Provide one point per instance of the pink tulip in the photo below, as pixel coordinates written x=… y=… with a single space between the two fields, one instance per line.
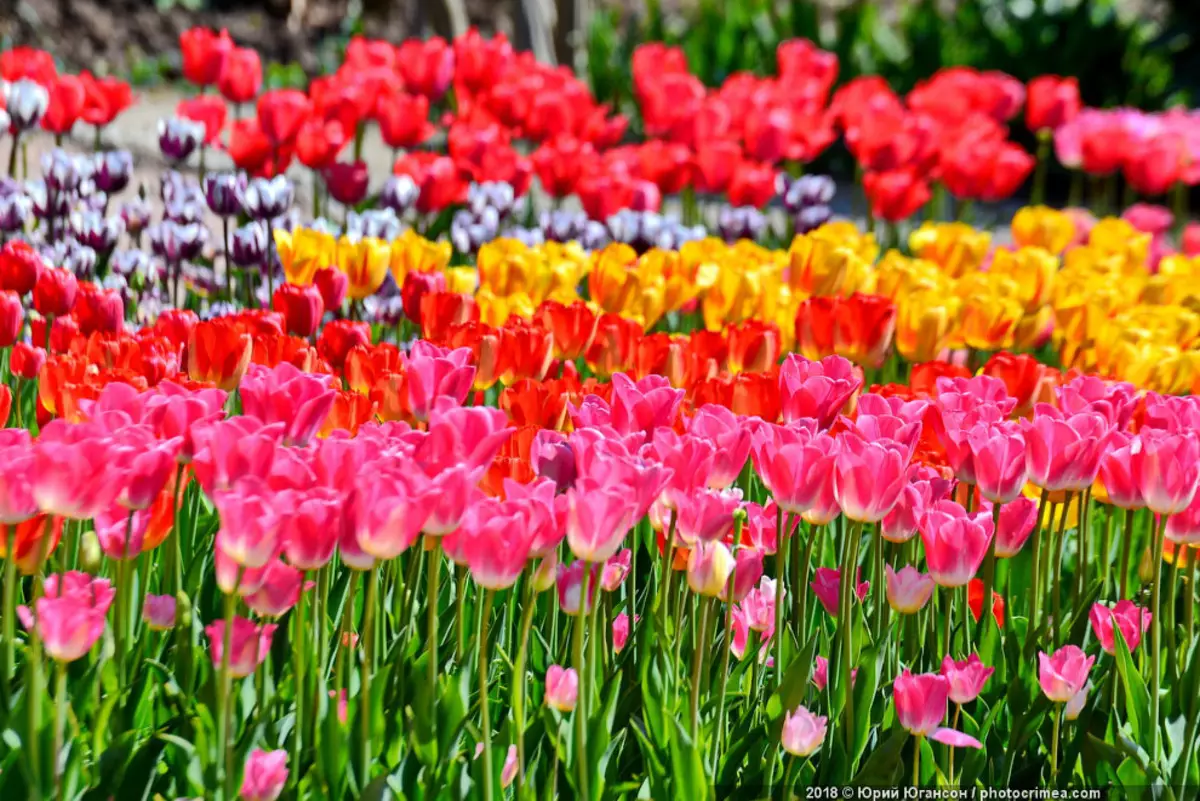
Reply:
x=966 y=678
x=820 y=673
x=283 y=394
x=615 y=570
x=1115 y=401
x=1132 y=620
x=803 y=732
x=598 y=518
x=620 y=632
x=998 y=451
x=962 y=404
x=1117 y=470
x=451 y=493
x=1075 y=706
x=309 y=530
x=827 y=584
x=497 y=542
x=816 y=390
x=562 y=688
x=921 y=706
x=279 y=591
x=17 y=503
x=730 y=439
x=747 y=572
x=761 y=530
x=176 y=413
x=144 y=465
x=1172 y=412
x=924 y=487
x=758 y=605
x=435 y=372
x=980 y=390
x=644 y=406
x=158 y=611
x=393 y=506
x=508 y=770
x=72 y=473
x=1017 y=519
x=709 y=567
x=231 y=450
x=249 y=533
x=233 y=578
x=1064 y=673
x=249 y=645
x=908 y=590
x=955 y=542
x=879 y=418
x=800 y=473
x=121 y=538
x=869 y=477
x=462 y=437
x=97 y=593
x=741 y=637
x=68 y=626
x=706 y=515
x=265 y=775
x=1183 y=528
x=1167 y=470
x=1063 y=453
x=570 y=586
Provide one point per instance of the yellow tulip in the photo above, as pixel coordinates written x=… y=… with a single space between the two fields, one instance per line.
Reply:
x=924 y=323
x=1116 y=237
x=508 y=265
x=614 y=277
x=365 y=263
x=956 y=247
x=1043 y=227
x=411 y=252
x=1032 y=268
x=897 y=275
x=846 y=234
x=819 y=266
x=461 y=280
x=304 y=251
x=987 y=321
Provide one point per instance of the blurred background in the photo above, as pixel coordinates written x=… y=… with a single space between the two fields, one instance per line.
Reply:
x=1125 y=52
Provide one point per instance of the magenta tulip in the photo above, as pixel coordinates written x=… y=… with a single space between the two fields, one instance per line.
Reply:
x=966 y=678
x=1064 y=673
x=921 y=706
x=908 y=589
x=1125 y=615
x=955 y=542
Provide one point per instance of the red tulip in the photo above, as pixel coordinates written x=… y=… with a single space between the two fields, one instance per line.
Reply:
x=715 y=164
x=281 y=113
x=438 y=177
x=895 y=195
x=560 y=162
x=319 y=142
x=208 y=110
x=204 y=54
x=1191 y=239
x=98 y=309
x=28 y=62
x=1104 y=145
x=479 y=63
x=403 y=119
x=426 y=66
x=752 y=184
x=347 y=182
x=1050 y=102
x=12 y=318
x=27 y=360
x=667 y=165
x=241 y=75
x=54 y=293
x=985 y=170
x=1155 y=164
x=67 y=95
x=20 y=266
x=301 y=306
x=333 y=285
x=251 y=150
x=104 y=99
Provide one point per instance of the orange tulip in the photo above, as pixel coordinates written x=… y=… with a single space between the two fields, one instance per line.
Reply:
x=490 y=356
x=218 y=351
x=366 y=364
x=440 y=310
x=513 y=462
x=573 y=327
x=528 y=351
x=350 y=410
x=753 y=346
x=615 y=345
x=28 y=542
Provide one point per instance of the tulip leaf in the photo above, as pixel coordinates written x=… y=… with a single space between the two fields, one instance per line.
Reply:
x=687 y=767
x=795 y=683
x=870 y=662
x=883 y=767
x=1137 y=697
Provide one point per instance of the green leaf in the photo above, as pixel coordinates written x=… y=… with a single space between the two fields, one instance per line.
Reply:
x=1137 y=697
x=687 y=767
x=870 y=662
x=795 y=683
x=883 y=767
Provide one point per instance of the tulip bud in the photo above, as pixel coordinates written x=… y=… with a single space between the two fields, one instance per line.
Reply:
x=12 y=318
x=90 y=556
x=1146 y=567
x=301 y=306
x=545 y=572
x=709 y=566
x=333 y=285
x=183 y=610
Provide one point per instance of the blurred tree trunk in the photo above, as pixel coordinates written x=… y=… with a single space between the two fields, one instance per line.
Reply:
x=534 y=26
x=446 y=18
x=569 y=34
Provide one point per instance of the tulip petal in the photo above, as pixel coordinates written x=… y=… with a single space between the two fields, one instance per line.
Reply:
x=955 y=739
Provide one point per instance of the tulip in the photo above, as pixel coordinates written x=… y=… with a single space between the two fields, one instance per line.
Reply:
x=158 y=611
x=12 y=318
x=54 y=292
x=264 y=776
x=955 y=542
x=570 y=581
x=20 y=266
x=826 y=585
x=1132 y=621
x=1117 y=467
x=68 y=626
x=1063 y=674
x=598 y=518
x=204 y=53
x=705 y=515
x=709 y=567
x=218 y=352
x=301 y=306
x=240 y=78
x=620 y=632
x=249 y=645
x=392 y=510
x=1050 y=102
x=803 y=732
x=278 y=592
x=817 y=390
x=1017 y=520
x=921 y=706
x=562 y=688
x=72 y=475
x=998 y=452
x=1167 y=469
x=285 y=395
x=966 y=678
x=615 y=570
x=908 y=590
x=1063 y=453
x=869 y=477
x=1075 y=706
x=747 y=572
x=249 y=532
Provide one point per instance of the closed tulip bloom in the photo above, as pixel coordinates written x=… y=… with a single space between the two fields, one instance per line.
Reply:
x=250 y=645
x=598 y=518
x=68 y=625
x=1050 y=102
x=20 y=266
x=562 y=688
x=645 y=405
x=1167 y=470
x=827 y=584
x=72 y=473
x=280 y=590
x=924 y=488
x=730 y=438
x=497 y=543
x=265 y=775
x=219 y=352
x=908 y=590
x=615 y=570
x=570 y=582
x=999 y=456
x=158 y=612
x=393 y=507
x=620 y=632
x=54 y=292
x=1017 y=520
x=955 y=542
x=310 y=527
x=921 y=706
x=241 y=76
x=803 y=732
x=12 y=318
x=966 y=678
x=1132 y=620
x=709 y=567
x=1063 y=673
x=705 y=515
x=1117 y=471
x=869 y=477
x=1063 y=452
x=817 y=390
x=435 y=372
x=333 y=286
x=746 y=574
x=1075 y=706
x=250 y=517
x=17 y=503
x=301 y=307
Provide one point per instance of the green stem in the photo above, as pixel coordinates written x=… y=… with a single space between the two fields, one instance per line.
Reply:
x=60 y=724
x=781 y=557
x=1038 y=195
x=518 y=688
x=814 y=532
x=299 y=660
x=989 y=574
x=460 y=587
x=698 y=663
x=1054 y=742
x=1059 y=545
x=435 y=572
x=224 y=711
x=917 y=761
x=1038 y=527
x=343 y=641
x=367 y=635
x=1156 y=637
x=846 y=630
x=582 y=698
x=1126 y=547
x=10 y=613
x=484 y=710
x=668 y=558
x=723 y=682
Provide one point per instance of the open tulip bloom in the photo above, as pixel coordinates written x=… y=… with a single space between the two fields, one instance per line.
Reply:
x=444 y=491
